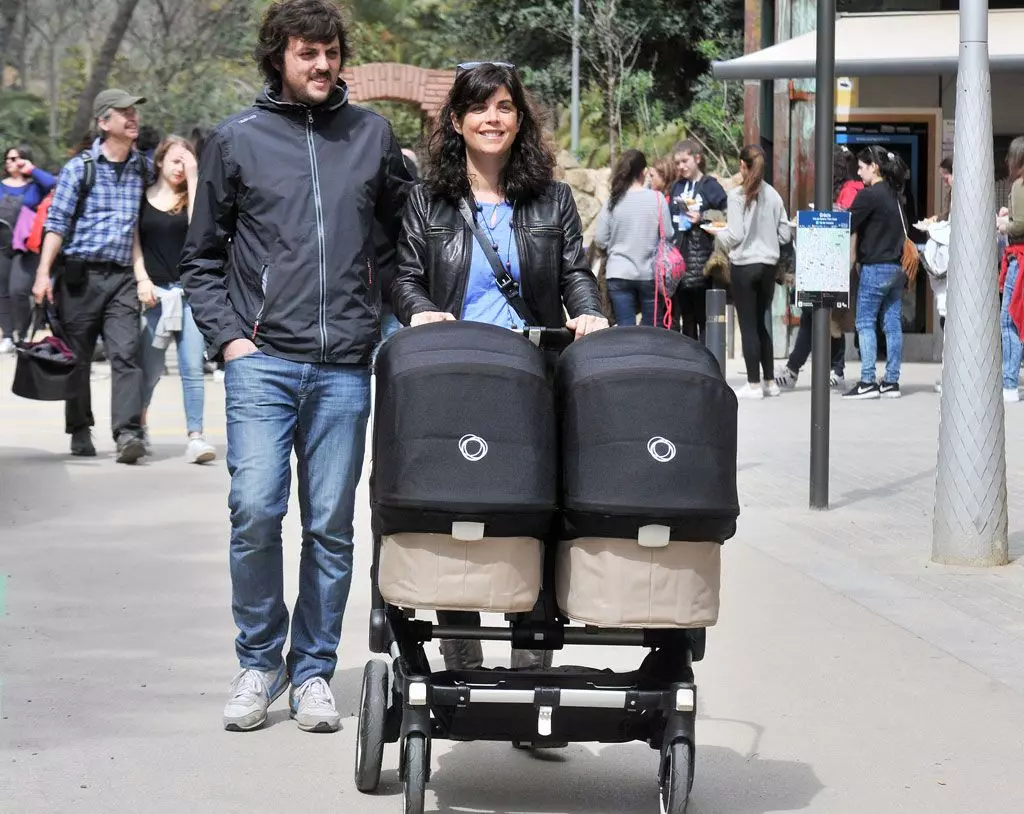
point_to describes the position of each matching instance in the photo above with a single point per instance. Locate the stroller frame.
(528, 706)
(411, 705)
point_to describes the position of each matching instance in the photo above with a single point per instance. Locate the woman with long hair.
(756, 229)
(878, 224)
(661, 176)
(845, 186)
(488, 156)
(1011, 315)
(628, 231)
(23, 186)
(693, 197)
(163, 225)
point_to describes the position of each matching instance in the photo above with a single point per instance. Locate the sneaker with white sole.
(1010, 396)
(770, 388)
(312, 706)
(889, 390)
(6, 345)
(252, 693)
(862, 391)
(786, 378)
(836, 381)
(750, 391)
(199, 450)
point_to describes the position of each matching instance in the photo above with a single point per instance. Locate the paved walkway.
(847, 673)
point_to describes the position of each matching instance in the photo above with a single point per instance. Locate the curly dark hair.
(844, 168)
(310, 20)
(531, 163)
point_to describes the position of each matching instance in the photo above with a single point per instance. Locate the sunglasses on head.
(462, 67)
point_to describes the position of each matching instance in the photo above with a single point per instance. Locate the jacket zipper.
(369, 271)
(321, 242)
(264, 282)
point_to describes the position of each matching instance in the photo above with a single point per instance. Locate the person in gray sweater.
(757, 227)
(628, 231)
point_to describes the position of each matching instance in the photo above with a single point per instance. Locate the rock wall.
(591, 188)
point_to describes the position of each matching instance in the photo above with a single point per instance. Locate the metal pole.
(714, 330)
(576, 78)
(970, 520)
(824, 115)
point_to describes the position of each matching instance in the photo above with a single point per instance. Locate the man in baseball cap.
(114, 99)
(97, 288)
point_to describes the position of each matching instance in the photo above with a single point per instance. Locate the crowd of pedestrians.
(283, 245)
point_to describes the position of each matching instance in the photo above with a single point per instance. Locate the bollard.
(714, 332)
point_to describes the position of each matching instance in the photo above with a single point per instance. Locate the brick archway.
(393, 82)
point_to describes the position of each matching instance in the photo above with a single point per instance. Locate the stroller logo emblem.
(661, 449)
(473, 447)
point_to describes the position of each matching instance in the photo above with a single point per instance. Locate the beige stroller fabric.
(618, 583)
(438, 572)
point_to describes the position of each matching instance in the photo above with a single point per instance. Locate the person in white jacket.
(757, 227)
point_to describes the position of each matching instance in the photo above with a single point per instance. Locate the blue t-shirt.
(32, 193)
(484, 302)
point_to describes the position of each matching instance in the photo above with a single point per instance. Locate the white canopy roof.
(885, 44)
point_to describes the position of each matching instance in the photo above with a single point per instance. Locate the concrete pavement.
(846, 674)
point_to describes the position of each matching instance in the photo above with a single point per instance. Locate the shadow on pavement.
(623, 779)
(883, 490)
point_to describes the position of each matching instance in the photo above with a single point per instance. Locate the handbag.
(44, 370)
(910, 258)
(669, 266)
(507, 284)
(669, 270)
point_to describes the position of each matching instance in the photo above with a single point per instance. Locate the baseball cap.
(114, 98)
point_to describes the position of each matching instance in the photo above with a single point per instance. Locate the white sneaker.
(786, 378)
(750, 391)
(312, 707)
(253, 691)
(1011, 395)
(836, 382)
(770, 388)
(938, 386)
(6, 345)
(199, 451)
(218, 375)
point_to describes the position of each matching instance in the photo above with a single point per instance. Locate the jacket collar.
(271, 100)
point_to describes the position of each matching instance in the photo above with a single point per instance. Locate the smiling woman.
(492, 237)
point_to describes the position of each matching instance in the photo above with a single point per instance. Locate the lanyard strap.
(506, 282)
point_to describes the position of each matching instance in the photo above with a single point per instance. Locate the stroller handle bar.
(549, 338)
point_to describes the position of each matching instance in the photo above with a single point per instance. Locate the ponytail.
(753, 157)
(890, 166)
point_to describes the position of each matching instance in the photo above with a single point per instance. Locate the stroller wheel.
(373, 710)
(415, 774)
(677, 778)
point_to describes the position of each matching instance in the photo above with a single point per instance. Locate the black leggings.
(753, 288)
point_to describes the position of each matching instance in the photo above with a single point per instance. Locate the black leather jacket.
(435, 251)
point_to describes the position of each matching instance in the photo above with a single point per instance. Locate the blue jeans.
(274, 406)
(189, 342)
(630, 296)
(881, 289)
(1011, 339)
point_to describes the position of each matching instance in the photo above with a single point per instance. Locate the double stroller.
(593, 486)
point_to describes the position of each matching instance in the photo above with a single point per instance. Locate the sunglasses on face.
(462, 67)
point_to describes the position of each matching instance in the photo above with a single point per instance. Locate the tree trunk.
(612, 108)
(104, 64)
(53, 85)
(8, 19)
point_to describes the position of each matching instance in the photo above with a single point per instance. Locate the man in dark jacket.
(280, 268)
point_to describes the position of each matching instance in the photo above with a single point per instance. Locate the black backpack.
(10, 208)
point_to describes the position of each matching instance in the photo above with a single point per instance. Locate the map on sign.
(823, 258)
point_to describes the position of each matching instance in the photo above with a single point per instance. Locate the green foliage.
(25, 119)
(406, 120)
